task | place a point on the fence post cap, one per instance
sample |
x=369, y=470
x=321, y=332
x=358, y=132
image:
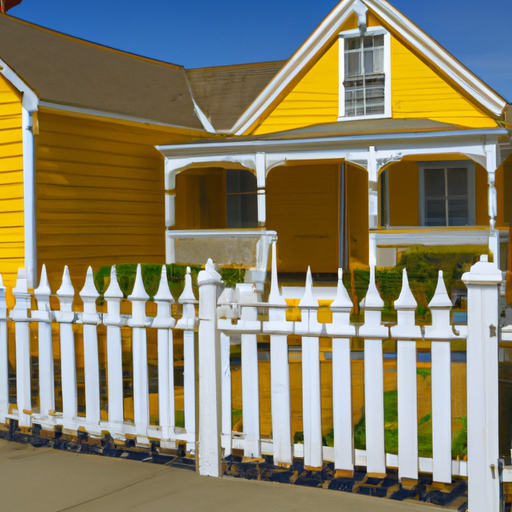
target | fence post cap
x=483, y=273
x=209, y=275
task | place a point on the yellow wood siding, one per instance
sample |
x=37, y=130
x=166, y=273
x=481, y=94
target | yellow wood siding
x=404, y=205
x=201, y=199
x=420, y=93
x=314, y=100
x=303, y=207
x=100, y=194
x=12, y=236
x=356, y=186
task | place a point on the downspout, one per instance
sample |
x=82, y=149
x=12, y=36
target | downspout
x=29, y=196
x=30, y=104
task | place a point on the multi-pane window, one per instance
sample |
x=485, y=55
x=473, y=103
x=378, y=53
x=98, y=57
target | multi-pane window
x=448, y=198
x=364, y=81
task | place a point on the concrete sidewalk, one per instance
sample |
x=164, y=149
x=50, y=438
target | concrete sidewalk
x=49, y=480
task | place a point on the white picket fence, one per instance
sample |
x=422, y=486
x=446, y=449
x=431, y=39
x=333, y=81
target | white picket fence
x=226, y=316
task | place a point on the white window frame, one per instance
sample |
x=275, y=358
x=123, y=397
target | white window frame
x=470, y=167
x=370, y=31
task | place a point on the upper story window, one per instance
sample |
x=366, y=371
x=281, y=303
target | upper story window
x=447, y=193
x=365, y=79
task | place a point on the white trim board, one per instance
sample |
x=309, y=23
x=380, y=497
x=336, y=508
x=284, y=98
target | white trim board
x=327, y=31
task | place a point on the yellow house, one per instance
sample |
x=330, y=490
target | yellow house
x=369, y=139
x=81, y=180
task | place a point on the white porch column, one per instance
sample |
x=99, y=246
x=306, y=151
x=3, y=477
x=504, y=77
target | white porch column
x=482, y=386
x=373, y=201
x=491, y=151
x=261, y=177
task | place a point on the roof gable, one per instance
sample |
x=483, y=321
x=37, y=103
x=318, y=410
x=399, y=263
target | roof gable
x=327, y=33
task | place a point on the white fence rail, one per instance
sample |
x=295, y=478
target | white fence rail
x=227, y=317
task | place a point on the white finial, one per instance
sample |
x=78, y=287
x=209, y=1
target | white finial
x=164, y=293
x=275, y=296
x=43, y=290
x=188, y=292
x=208, y=274
x=66, y=288
x=308, y=300
x=89, y=290
x=373, y=300
x=139, y=292
x=406, y=300
x=21, y=282
x=342, y=300
x=440, y=298
x=113, y=291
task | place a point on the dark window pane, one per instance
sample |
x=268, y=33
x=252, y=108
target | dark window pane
x=378, y=41
x=434, y=183
x=457, y=182
x=353, y=44
x=435, y=214
x=458, y=212
x=241, y=199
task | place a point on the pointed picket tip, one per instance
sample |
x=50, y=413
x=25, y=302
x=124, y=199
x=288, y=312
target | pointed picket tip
x=43, y=290
x=21, y=282
x=1, y=281
x=440, y=298
x=89, y=290
x=139, y=292
x=188, y=293
x=342, y=299
x=66, y=288
x=164, y=293
x=308, y=301
x=275, y=296
x=373, y=300
x=406, y=299
x=113, y=291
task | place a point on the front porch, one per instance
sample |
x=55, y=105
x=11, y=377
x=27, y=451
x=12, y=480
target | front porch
x=337, y=196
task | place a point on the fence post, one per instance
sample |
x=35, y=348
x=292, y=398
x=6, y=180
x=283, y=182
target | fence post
x=210, y=283
x=4, y=356
x=482, y=386
x=23, y=364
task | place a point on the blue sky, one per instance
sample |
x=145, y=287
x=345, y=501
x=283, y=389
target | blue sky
x=197, y=33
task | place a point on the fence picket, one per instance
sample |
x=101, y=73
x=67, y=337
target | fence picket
x=44, y=316
x=164, y=323
x=441, y=305
x=374, y=378
x=227, y=406
x=405, y=305
x=279, y=370
x=66, y=317
x=91, y=320
x=113, y=320
x=4, y=356
x=250, y=376
x=311, y=390
x=342, y=379
x=188, y=322
x=138, y=322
